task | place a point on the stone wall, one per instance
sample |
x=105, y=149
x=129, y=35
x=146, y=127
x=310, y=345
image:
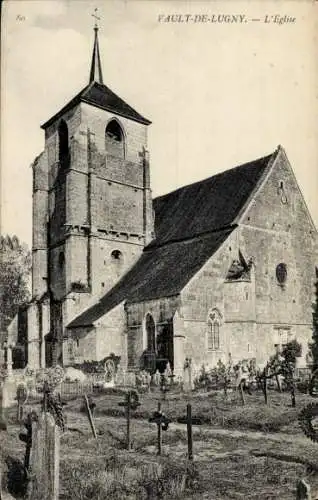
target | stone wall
x=254, y=310
x=162, y=311
x=202, y=294
x=95, y=343
x=277, y=229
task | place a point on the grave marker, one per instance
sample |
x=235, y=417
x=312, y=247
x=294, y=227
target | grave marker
x=303, y=491
x=22, y=396
x=162, y=422
x=187, y=375
x=3, y=420
x=189, y=420
x=90, y=417
x=131, y=402
x=189, y=432
x=45, y=458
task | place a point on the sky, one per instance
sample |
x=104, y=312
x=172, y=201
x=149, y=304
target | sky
x=218, y=94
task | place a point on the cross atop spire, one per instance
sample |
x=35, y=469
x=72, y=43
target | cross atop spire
x=96, y=74
x=96, y=18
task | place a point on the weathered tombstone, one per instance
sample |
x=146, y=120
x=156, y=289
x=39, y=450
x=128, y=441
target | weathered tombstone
x=148, y=381
x=22, y=396
x=2, y=356
x=120, y=376
x=187, y=375
x=156, y=378
x=168, y=371
x=303, y=491
x=3, y=419
x=8, y=393
x=44, y=459
x=9, y=360
x=110, y=370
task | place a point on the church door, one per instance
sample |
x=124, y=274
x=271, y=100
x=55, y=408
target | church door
x=165, y=343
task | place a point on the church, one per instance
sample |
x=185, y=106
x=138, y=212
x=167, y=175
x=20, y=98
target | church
x=222, y=266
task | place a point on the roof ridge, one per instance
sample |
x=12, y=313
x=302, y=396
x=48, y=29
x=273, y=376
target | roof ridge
x=216, y=175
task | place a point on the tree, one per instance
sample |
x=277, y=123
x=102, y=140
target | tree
x=314, y=345
x=15, y=269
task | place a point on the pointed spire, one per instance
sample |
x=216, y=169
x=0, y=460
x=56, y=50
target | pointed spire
x=96, y=74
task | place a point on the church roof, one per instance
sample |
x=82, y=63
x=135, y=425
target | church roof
x=160, y=272
x=191, y=223
x=206, y=205
x=103, y=97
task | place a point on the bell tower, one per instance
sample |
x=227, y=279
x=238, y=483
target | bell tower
x=98, y=200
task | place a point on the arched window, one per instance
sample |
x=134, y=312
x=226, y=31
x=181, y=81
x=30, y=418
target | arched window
x=214, y=321
x=150, y=328
x=114, y=139
x=63, y=143
x=117, y=262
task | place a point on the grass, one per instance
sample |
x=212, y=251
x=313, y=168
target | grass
x=232, y=461
x=210, y=408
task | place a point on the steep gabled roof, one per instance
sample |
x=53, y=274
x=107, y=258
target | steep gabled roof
x=160, y=272
x=191, y=223
x=103, y=97
x=207, y=205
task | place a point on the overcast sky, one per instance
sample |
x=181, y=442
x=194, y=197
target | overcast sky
x=218, y=94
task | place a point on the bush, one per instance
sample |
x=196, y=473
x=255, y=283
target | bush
x=303, y=386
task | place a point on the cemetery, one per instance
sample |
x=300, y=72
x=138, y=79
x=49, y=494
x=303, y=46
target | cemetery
x=231, y=432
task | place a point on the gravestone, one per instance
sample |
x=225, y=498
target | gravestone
x=3, y=419
x=44, y=458
x=303, y=491
x=156, y=378
x=9, y=361
x=110, y=372
x=187, y=375
x=120, y=375
x=168, y=371
x=22, y=396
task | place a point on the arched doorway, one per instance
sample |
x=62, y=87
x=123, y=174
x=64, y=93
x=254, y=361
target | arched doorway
x=165, y=344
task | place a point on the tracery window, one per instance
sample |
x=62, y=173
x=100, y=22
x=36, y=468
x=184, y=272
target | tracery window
x=214, y=321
